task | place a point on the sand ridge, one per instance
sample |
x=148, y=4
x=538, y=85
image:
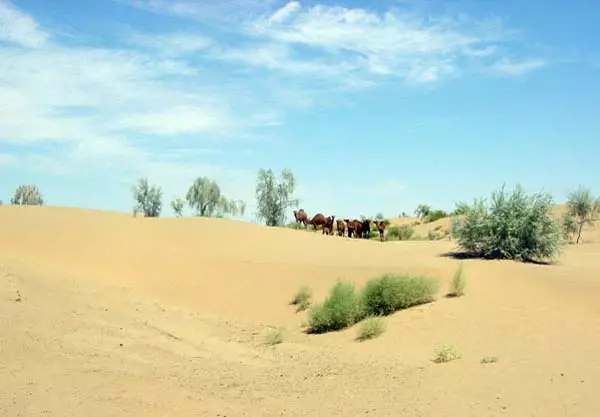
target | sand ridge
x=130, y=316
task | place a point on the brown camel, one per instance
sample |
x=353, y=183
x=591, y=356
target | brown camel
x=381, y=227
x=301, y=217
x=341, y=227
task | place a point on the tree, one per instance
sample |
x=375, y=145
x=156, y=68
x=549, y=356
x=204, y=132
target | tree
x=177, y=206
x=204, y=196
x=148, y=198
x=422, y=210
x=273, y=198
x=515, y=226
x=582, y=209
x=27, y=195
x=379, y=216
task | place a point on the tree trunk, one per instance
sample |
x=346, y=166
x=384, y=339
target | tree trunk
x=579, y=234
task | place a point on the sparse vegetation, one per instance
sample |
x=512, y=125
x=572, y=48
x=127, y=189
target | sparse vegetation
x=341, y=309
x=371, y=328
x=434, y=215
x=446, y=353
x=422, y=211
x=274, y=198
x=302, y=298
x=389, y=293
x=148, y=199
x=517, y=227
x=459, y=283
x=177, y=206
x=582, y=209
x=204, y=197
x=404, y=232
x=274, y=336
x=489, y=359
x=27, y=195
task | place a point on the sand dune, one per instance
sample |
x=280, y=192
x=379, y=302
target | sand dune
x=102, y=314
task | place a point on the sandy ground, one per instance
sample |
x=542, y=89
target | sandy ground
x=102, y=314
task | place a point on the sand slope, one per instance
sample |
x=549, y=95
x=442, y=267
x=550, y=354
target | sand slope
x=102, y=314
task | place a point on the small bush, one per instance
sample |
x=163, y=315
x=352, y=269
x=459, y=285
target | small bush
x=404, y=232
x=389, y=293
x=274, y=336
x=295, y=225
x=371, y=327
x=340, y=310
x=27, y=195
x=446, y=353
x=302, y=298
x=517, y=227
x=489, y=359
x=434, y=215
x=459, y=282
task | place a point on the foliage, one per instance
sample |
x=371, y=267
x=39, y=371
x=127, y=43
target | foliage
x=177, y=206
x=461, y=208
x=569, y=226
x=516, y=226
x=446, y=353
x=434, y=215
x=204, y=196
x=582, y=208
x=422, y=210
x=273, y=198
x=27, y=195
x=389, y=293
x=371, y=327
x=459, y=282
x=404, y=232
x=379, y=216
x=274, y=336
x=489, y=359
x=341, y=309
x=148, y=198
x=302, y=298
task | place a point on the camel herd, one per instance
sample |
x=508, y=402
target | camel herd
x=346, y=227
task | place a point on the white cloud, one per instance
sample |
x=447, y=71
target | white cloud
x=19, y=28
x=507, y=66
x=286, y=11
x=172, y=44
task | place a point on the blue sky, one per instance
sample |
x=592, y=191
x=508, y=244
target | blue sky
x=376, y=106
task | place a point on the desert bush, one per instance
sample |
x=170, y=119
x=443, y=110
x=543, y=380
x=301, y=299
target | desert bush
x=422, y=211
x=341, y=309
x=148, y=199
x=434, y=215
x=404, y=232
x=459, y=282
x=371, y=327
x=274, y=336
x=389, y=293
x=517, y=226
x=489, y=359
x=27, y=195
x=582, y=209
x=295, y=225
x=446, y=353
x=177, y=206
x=302, y=298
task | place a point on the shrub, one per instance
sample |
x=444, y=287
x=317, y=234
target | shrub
x=489, y=359
x=435, y=215
x=340, y=310
x=404, y=232
x=446, y=353
x=295, y=226
x=177, y=206
x=27, y=195
x=459, y=282
x=371, y=327
x=518, y=227
x=389, y=293
x=582, y=209
x=302, y=298
x=148, y=199
x=274, y=336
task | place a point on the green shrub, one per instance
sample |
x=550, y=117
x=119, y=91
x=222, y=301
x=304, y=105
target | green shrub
x=434, y=215
x=389, y=293
x=371, y=327
x=274, y=336
x=459, y=282
x=302, y=298
x=404, y=232
x=517, y=226
x=341, y=309
x=446, y=353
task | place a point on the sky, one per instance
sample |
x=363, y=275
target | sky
x=375, y=106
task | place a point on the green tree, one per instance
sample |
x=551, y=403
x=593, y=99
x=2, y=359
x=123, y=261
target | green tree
x=422, y=210
x=27, y=195
x=148, y=198
x=273, y=198
x=177, y=206
x=582, y=208
x=204, y=196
